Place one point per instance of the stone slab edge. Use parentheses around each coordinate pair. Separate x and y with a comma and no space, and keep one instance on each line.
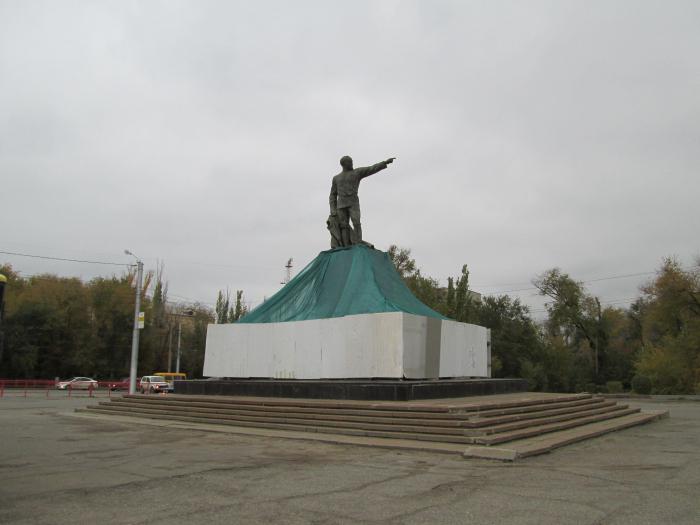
(547,442)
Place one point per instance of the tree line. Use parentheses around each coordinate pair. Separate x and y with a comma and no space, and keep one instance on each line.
(57,326)
(653,346)
(60,327)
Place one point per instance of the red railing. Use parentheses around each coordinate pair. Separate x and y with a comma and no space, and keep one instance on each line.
(50,388)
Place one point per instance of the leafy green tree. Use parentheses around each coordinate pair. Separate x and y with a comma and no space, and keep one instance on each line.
(222,307)
(403,262)
(240,309)
(194,337)
(57,326)
(573,314)
(227,312)
(450,298)
(112,324)
(48,328)
(162,325)
(425,289)
(622,347)
(670,330)
(515,340)
(464,304)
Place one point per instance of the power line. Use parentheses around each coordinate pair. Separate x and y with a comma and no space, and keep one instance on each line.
(176,262)
(188,299)
(618,277)
(609,278)
(171,262)
(517,290)
(64,259)
(608,301)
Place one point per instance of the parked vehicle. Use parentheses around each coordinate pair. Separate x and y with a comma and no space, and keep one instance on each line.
(122,384)
(77,383)
(171,377)
(154,385)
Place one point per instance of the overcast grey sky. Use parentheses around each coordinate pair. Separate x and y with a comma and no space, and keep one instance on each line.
(205,134)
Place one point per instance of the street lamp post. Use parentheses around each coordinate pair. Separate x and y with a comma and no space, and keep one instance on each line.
(3,281)
(186,313)
(179,337)
(135,336)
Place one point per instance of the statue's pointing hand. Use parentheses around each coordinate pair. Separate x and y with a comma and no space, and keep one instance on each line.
(389,161)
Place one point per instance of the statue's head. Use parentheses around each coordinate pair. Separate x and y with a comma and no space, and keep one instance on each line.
(346,163)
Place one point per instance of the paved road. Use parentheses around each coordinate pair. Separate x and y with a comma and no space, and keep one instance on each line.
(60,469)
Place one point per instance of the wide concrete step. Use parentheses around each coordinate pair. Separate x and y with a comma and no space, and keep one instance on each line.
(571,430)
(426,429)
(506,452)
(474,413)
(310,403)
(516,404)
(418,436)
(489,411)
(552,427)
(460,420)
(545,443)
(488,419)
(287,409)
(297,422)
(607,408)
(404,419)
(507,405)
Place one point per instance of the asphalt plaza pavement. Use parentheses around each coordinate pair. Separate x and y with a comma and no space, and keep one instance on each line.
(56,468)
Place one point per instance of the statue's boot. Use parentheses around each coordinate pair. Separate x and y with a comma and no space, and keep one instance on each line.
(347,240)
(356,234)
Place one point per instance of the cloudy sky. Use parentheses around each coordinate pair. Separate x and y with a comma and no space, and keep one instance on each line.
(204,134)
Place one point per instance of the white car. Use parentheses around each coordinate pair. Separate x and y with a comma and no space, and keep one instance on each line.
(77,383)
(154,384)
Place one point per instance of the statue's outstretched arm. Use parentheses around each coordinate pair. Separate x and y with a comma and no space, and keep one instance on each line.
(371,170)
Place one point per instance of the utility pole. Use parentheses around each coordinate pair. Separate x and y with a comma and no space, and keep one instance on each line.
(179,337)
(170,347)
(135,336)
(186,313)
(3,282)
(597,336)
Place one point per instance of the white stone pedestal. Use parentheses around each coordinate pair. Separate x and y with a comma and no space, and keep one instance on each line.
(390,345)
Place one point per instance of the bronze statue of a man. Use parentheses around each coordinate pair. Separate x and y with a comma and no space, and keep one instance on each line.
(345,204)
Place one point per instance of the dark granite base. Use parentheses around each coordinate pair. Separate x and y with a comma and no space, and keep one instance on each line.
(357,389)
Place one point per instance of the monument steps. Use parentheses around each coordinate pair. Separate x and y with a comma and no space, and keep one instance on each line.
(480,419)
(522,433)
(495,404)
(545,443)
(385,417)
(300,416)
(516,403)
(528,423)
(437,433)
(488,421)
(370,429)
(471,415)
(416,436)
(581,399)
(281,410)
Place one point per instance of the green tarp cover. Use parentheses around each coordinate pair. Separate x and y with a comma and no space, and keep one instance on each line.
(339,282)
